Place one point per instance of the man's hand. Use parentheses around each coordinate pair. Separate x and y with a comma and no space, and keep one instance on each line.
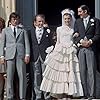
(86,44)
(2,60)
(27,59)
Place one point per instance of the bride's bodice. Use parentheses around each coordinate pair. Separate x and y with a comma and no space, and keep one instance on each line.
(65,35)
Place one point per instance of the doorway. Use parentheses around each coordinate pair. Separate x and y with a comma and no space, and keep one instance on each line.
(52,8)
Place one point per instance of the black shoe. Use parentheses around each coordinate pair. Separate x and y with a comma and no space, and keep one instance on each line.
(90,98)
(83,97)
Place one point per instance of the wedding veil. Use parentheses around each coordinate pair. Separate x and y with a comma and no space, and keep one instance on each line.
(71,12)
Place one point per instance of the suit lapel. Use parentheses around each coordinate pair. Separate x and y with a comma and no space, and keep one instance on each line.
(43,35)
(10,31)
(82,25)
(18,32)
(33,34)
(88,25)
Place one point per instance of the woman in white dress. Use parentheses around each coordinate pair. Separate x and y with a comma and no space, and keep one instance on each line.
(62,75)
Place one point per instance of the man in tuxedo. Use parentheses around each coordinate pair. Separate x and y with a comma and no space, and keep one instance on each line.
(87,29)
(40,40)
(17,55)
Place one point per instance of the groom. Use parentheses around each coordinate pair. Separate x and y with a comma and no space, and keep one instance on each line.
(88,29)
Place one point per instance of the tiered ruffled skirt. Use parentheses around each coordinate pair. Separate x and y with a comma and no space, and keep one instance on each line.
(62,75)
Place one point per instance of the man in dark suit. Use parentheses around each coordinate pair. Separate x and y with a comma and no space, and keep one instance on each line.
(40,40)
(87,29)
(17,55)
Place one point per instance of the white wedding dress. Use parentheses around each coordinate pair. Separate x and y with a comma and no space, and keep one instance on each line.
(62,75)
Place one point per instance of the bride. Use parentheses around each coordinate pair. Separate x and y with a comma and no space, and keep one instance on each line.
(62,76)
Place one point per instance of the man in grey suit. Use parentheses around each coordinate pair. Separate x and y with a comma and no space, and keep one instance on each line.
(87,29)
(17,55)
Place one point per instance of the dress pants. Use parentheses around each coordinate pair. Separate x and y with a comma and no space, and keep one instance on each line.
(21,70)
(87,71)
(38,68)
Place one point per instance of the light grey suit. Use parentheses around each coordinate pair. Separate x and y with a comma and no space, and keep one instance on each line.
(16,49)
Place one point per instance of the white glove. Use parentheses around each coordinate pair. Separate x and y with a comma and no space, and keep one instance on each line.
(49,49)
(76,34)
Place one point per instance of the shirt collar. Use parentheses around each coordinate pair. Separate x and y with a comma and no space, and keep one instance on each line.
(37,28)
(12,27)
(87,18)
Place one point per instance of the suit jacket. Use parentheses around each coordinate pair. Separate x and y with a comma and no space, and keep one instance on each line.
(39,49)
(15,46)
(91,32)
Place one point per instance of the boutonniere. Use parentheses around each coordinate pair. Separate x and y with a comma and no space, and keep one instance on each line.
(48,30)
(47,35)
(92,22)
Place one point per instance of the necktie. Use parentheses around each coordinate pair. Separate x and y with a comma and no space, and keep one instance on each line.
(85,23)
(39,35)
(14,31)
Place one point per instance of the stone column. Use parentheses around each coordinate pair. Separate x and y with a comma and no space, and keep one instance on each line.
(6,7)
(97,8)
(27,9)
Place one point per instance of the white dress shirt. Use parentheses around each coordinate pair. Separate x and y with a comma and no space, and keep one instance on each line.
(12,27)
(86,20)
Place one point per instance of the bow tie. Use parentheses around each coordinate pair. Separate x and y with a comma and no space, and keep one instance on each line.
(39,29)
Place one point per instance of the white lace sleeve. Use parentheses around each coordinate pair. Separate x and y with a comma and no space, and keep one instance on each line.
(58,35)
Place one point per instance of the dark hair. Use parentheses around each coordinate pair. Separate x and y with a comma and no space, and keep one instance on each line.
(39,15)
(3,23)
(85,7)
(67,14)
(8,24)
(13,15)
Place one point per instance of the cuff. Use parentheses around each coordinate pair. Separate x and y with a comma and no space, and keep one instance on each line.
(90,41)
(27,55)
(78,44)
(81,40)
(1,56)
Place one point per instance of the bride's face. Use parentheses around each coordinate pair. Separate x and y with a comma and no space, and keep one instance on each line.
(67,19)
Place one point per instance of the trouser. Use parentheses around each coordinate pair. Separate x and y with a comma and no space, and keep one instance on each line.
(21,70)
(38,69)
(87,70)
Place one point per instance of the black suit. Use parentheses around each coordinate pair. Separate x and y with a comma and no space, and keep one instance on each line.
(38,55)
(39,49)
(91,32)
(87,55)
